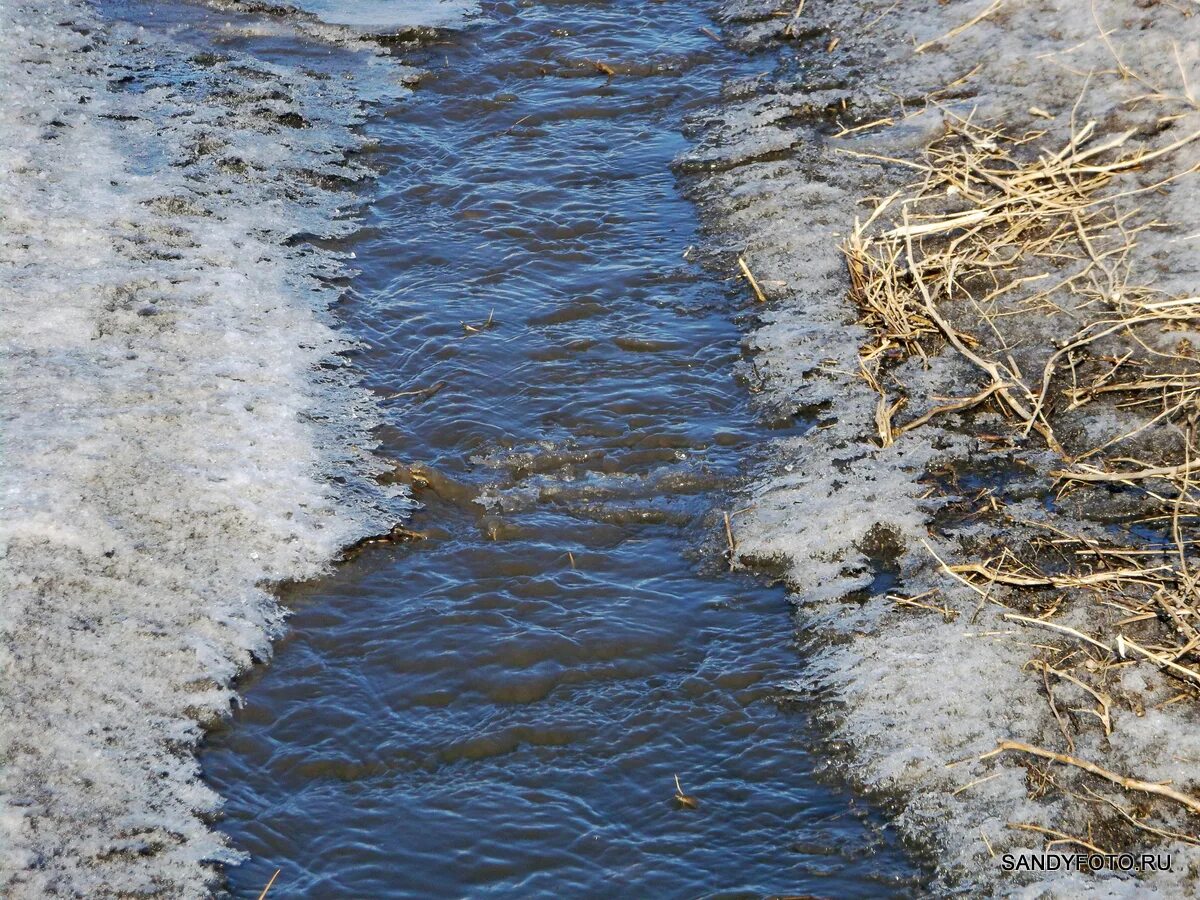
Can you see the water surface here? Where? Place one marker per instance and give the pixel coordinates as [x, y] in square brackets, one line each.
[502, 708]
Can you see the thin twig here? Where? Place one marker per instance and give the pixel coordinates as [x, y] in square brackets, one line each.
[1129, 784]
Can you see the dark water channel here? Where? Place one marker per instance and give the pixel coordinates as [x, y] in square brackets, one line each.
[501, 709]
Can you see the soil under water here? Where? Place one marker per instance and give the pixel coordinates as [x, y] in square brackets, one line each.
[502, 707]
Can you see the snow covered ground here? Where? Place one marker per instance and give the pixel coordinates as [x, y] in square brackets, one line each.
[176, 426]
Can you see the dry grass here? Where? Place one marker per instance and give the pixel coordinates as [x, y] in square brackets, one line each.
[1145, 602]
[997, 226]
[993, 221]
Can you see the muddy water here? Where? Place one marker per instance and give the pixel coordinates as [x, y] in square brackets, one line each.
[502, 708]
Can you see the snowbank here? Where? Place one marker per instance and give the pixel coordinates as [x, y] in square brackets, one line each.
[177, 426]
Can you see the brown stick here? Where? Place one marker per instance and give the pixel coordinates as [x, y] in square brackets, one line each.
[1018, 580]
[732, 542]
[1060, 837]
[953, 406]
[1062, 725]
[758, 292]
[269, 883]
[1152, 472]
[1129, 784]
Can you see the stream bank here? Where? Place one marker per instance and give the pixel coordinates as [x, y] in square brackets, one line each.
[968, 560]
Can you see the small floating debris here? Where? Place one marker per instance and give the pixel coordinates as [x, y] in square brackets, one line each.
[398, 534]
[732, 543]
[420, 393]
[475, 329]
[683, 799]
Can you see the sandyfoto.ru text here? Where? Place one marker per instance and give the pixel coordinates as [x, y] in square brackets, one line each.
[1085, 862]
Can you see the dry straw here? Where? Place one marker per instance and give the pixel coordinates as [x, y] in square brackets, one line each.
[996, 226]
[984, 224]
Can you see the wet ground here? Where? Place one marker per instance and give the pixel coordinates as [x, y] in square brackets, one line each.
[502, 707]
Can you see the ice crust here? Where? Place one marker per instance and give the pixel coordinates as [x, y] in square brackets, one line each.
[180, 431]
[908, 692]
[358, 23]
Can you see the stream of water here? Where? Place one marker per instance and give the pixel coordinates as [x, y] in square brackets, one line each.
[502, 708]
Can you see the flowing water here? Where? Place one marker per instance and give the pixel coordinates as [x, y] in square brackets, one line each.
[502, 707]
